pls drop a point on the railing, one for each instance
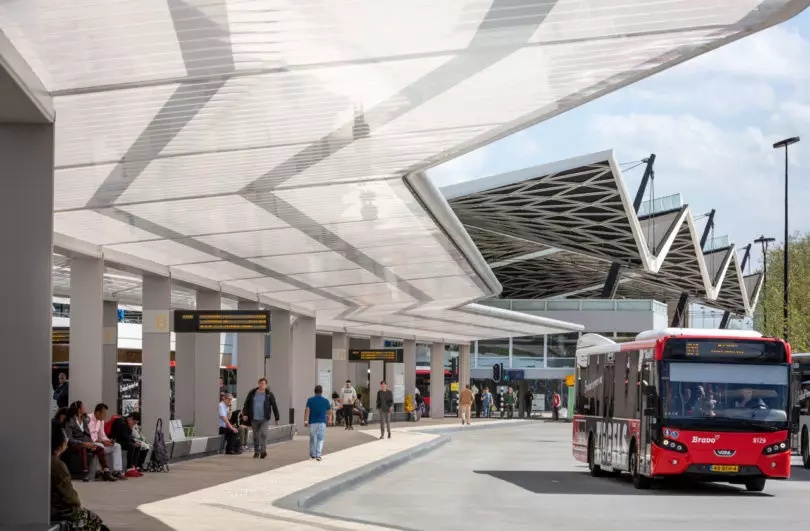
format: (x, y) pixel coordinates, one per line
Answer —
(660, 204)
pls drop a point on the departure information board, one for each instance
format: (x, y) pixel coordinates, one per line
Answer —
(60, 335)
(383, 354)
(219, 321)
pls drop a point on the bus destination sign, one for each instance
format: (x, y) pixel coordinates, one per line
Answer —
(382, 354)
(720, 349)
(219, 321)
(60, 335)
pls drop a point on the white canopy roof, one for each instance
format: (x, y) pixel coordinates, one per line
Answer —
(258, 147)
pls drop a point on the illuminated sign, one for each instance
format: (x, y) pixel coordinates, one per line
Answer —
(728, 349)
(569, 380)
(383, 354)
(219, 321)
(60, 335)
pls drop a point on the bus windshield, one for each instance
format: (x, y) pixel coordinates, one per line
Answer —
(743, 392)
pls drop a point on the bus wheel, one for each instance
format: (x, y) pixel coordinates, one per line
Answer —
(595, 469)
(639, 481)
(805, 448)
(755, 485)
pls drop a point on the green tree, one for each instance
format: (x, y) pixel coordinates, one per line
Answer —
(769, 315)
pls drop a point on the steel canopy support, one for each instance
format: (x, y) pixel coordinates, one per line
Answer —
(680, 311)
(727, 315)
(612, 281)
(707, 230)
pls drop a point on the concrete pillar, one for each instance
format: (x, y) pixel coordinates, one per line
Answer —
(304, 367)
(340, 360)
(86, 330)
(437, 380)
(26, 230)
(206, 370)
(510, 352)
(184, 378)
(463, 365)
(250, 353)
(109, 369)
(409, 358)
(377, 373)
(155, 391)
(280, 369)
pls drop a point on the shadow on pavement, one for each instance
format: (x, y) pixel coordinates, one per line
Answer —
(576, 482)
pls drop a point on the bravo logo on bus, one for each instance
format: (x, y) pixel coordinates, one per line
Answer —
(705, 440)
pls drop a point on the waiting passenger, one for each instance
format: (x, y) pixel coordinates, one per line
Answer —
(62, 414)
(111, 448)
(60, 394)
(65, 503)
(360, 411)
(81, 443)
(226, 428)
(486, 400)
(124, 431)
(260, 403)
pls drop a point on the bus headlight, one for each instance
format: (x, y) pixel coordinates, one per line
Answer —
(776, 448)
(674, 446)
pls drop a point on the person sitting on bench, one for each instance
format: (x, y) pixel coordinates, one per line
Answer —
(124, 431)
(81, 442)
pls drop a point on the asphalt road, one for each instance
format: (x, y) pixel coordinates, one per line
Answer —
(524, 477)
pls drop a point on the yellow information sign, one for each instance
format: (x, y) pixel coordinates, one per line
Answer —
(454, 386)
(569, 380)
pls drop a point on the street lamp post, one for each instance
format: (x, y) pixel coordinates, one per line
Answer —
(784, 144)
(764, 241)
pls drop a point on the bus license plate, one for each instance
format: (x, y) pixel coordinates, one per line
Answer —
(724, 468)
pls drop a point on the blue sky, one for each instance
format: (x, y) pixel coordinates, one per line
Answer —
(711, 122)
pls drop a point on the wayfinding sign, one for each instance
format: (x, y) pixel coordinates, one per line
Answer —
(60, 335)
(382, 354)
(219, 321)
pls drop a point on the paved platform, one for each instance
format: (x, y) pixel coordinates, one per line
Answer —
(524, 478)
(118, 503)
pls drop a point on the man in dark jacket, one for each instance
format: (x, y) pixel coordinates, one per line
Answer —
(385, 405)
(60, 394)
(256, 411)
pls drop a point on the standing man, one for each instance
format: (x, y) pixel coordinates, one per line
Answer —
(256, 412)
(226, 428)
(385, 405)
(465, 401)
(347, 397)
(528, 399)
(509, 400)
(316, 415)
(60, 394)
(555, 406)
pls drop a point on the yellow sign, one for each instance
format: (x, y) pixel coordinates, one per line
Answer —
(725, 468)
(454, 386)
(569, 380)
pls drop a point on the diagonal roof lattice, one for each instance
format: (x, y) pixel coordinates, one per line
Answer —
(579, 237)
(274, 150)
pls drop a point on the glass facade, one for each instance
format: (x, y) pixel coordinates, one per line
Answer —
(562, 349)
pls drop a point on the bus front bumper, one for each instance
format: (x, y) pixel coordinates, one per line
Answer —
(669, 463)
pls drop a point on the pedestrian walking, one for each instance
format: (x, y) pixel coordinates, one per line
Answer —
(465, 400)
(259, 403)
(385, 405)
(347, 397)
(316, 415)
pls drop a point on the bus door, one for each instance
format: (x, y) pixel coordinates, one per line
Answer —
(608, 443)
(648, 412)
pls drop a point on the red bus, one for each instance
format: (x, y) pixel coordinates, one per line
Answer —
(709, 404)
(423, 383)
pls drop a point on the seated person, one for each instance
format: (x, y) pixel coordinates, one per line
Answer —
(244, 428)
(337, 418)
(360, 411)
(111, 448)
(80, 442)
(61, 416)
(65, 503)
(124, 431)
(226, 428)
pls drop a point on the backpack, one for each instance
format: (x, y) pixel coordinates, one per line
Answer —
(160, 455)
(109, 424)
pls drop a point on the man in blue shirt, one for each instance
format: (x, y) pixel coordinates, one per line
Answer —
(318, 411)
